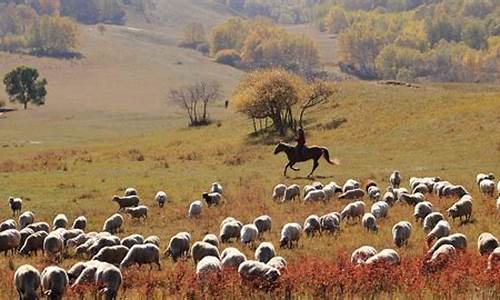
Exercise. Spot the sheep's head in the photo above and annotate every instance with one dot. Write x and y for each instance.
(283, 242)
(272, 275)
(115, 198)
(11, 200)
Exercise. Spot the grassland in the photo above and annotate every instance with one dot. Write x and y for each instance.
(438, 130)
(107, 126)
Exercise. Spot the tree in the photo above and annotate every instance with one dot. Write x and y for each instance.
(22, 85)
(191, 97)
(279, 95)
(193, 35)
(475, 36)
(315, 94)
(54, 36)
(336, 20)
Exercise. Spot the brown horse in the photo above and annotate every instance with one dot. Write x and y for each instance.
(295, 156)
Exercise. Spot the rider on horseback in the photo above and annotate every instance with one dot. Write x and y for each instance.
(301, 142)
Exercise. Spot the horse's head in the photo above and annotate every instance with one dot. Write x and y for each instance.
(279, 148)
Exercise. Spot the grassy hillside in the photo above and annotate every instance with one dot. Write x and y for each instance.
(437, 130)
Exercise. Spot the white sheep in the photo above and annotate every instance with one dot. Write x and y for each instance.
(486, 243)
(54, 282)
(353, 210)
(80, 223)
(291, 193)
(161, 198)
(374, 193)
(389, 196)
(108, 278)
(16, 204)
(360, 255)
(263, 224)
(252, 269)
(386, 256)
(111, 254)
(487, 187)
(9, 240)
(264, 252)
(208, 265)
(380, 209)
(331, 189)
(290, 233)
(53, 246)
(456, 191)
(33, 243)
(138, 213)
(216, 188)
(278, 262)
(212, 198)
(25, 233)
(178, 246)
(312, 225)
(315, 196)
(457, 240)
(307, 189)
(369, 222)
(8, 224)
(353, 194)
(494, 260)
(401, 233)
(152, 239)
(498, 202)
(421, 188)
(330, 222)
(231, 258)
(195, 209)
(60, 221)
(202, 249)
(142, 254)
(421, 210)
(126, 201)
(442, 255)
(113, 224)
(395, 179)
(279, 192)
(130, 191)
(441, 229)
(27, 282)
(461, 208)
(211, 239)
(39, 226)
(431, 220)
(131, 240)
(411, 199)
(230, 230)
(101, 242)
(249, 233)
(26, 218)
(350, 184)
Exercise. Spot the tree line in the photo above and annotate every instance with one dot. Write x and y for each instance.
(417, 40)
(254, 44)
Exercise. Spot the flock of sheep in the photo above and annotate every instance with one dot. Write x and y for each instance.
(107, 255)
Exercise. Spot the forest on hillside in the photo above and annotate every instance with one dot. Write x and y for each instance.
(49, 27)
(452, 40)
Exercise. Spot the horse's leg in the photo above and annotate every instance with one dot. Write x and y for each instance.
(315, 165)
(286, 167)
(295, 169)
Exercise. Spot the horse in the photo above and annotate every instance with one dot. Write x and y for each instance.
(294, 156)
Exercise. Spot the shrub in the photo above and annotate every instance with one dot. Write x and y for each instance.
(228, 57)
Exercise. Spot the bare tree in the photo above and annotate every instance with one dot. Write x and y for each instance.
(316, 93)
(190, 97)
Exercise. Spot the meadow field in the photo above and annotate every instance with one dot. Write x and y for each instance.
(107, 125)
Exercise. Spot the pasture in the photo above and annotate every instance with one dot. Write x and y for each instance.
(75, 166)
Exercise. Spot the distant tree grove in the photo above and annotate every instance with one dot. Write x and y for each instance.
(48, 27)
(408, 40)
(259, 43)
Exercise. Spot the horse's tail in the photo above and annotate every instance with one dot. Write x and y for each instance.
(327, 157)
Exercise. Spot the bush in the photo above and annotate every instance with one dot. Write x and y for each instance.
(228, 57)
(203, 48)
